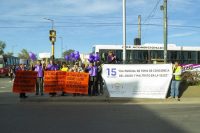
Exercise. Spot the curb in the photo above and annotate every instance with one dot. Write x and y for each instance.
(104, 99)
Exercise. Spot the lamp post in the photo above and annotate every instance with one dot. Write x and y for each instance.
(52, 37)
(61, 38)
(52, 22)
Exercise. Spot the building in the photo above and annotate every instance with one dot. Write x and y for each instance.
(150, 52)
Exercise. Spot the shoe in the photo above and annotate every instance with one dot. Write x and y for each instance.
(25, 96)
(177, 98)
(36, 93)
(170, 97)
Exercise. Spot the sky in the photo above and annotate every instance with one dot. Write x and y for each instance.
(84, 23)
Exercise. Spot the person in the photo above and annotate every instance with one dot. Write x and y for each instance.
(11, 73)
(92, 69)
(52, 67)
(99, 78)
(176, 80)
(64, 69)
(75, 68)
(111, 58)
(22, 68)
(40, 75)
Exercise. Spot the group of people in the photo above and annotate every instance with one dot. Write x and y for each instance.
(94, 69)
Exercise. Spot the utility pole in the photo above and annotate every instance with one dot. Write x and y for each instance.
(165, 29)
(124, 31)
(61, 38)
(139, 27)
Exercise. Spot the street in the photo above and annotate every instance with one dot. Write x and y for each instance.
(93, 117)
(98, 118)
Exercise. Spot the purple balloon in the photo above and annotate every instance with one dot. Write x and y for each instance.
(77, 56)
(91, 56)
(72, 55)
(90, 60)
(32, 56)
(96, 57)
(76, 53)
(67, 58)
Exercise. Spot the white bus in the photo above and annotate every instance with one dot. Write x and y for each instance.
(149, 52)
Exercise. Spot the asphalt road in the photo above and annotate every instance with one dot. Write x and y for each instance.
(91, 117)
(5, 85)
(98, 118)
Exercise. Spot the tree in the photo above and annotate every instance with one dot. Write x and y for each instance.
(24, 54)
(2, 47)
(68, 52)
(8, 54)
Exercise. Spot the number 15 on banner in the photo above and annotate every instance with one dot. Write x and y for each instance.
(111, 72)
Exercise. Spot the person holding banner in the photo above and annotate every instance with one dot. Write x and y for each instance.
(22, 68)
(64, 69)
(176, 80)
(40, 75)
(52, 67)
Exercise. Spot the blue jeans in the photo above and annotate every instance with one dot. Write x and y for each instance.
(175, 88)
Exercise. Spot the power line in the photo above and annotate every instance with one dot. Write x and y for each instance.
(78, 25)
(152, 13)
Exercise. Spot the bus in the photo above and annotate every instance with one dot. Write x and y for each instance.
(6, 62)
(149, 53)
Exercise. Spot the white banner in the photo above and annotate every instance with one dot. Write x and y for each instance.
(44, 55)
(137, 81)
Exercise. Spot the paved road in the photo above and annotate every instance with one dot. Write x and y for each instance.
(98, 118)
(5, 85)
(93, 117)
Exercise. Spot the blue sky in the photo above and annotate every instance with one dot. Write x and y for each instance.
(83, 23)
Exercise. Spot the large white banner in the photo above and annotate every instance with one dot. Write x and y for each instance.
(137, 81)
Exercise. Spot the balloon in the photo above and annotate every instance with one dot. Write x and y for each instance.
(76, 53)
(72, 55)
(91, 56)
(32, 56)
(96, 57)
(67, 58)
(90, 60)
(77, 56)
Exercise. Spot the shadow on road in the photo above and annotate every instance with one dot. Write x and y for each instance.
(75, 117)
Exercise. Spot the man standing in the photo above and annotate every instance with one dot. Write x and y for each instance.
(176, 80)
(40, 75)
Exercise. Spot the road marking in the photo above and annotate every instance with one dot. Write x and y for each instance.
(3, 87)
